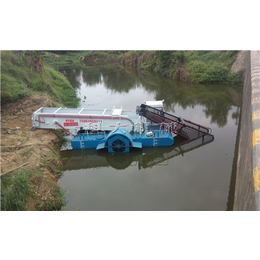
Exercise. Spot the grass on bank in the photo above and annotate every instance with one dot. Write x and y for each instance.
(18, 81)
(15, 189)
(64, 59)
(212, 67)
(200, 66)
(18, 188)
(83, 59)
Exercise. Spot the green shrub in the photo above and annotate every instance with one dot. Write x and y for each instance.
(211, 67)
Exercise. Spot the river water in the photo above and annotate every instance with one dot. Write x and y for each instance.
(187, 176)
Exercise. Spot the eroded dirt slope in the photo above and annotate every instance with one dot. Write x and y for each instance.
(20, 144)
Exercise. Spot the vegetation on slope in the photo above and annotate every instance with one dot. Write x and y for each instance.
(188, 66)
(18, 80)
(20, 187)
(34, 188)
(212, 66)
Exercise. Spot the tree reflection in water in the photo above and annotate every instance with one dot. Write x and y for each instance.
(217, 100)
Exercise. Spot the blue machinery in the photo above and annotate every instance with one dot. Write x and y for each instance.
(120, 140)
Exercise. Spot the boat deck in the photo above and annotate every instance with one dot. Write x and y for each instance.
(55, 111)
(74, 118)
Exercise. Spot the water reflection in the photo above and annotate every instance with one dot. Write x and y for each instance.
(145, 158)
(186, 176)
(217, 100)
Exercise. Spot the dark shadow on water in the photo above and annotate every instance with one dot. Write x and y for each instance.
(232, 186)
(145, 157)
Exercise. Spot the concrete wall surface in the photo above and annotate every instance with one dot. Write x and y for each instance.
(247, 188)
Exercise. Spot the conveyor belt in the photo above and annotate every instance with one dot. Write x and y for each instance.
(185, 128)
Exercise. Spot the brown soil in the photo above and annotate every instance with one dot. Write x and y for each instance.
(20, 144)
(240, 62)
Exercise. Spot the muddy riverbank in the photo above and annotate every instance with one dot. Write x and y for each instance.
(36, 151)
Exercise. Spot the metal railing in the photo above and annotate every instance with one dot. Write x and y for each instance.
(185, 128)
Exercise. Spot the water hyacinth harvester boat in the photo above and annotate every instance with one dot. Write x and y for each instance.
(118, 130)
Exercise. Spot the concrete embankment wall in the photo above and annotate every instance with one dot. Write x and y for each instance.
(247, 187)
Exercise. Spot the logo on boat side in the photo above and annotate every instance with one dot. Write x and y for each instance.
(70, 122)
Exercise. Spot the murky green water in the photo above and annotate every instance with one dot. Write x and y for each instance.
(193, 176)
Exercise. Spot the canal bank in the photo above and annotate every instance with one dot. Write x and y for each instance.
(30, 165)
(247, 195)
